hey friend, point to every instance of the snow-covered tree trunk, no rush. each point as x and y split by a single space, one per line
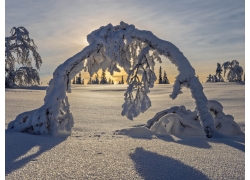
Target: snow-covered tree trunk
109 47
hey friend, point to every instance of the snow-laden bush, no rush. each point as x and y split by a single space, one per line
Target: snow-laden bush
179 121
111 47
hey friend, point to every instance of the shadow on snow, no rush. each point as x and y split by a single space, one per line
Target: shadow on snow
151 165
22 148
139 132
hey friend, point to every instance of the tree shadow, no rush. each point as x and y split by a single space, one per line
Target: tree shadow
21 148
151 165
237 142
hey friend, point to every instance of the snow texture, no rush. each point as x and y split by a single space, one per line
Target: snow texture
110 46
96 148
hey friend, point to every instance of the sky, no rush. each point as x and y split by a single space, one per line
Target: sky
207 32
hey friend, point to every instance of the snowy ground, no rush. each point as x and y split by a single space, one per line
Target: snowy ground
96 150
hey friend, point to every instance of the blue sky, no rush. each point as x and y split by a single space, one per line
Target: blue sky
207 32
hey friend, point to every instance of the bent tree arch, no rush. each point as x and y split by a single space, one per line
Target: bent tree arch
110 47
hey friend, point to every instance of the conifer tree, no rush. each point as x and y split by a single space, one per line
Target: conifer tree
122 81
90 81
160 76
103 78
165 78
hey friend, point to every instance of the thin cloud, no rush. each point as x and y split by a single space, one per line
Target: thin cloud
205 31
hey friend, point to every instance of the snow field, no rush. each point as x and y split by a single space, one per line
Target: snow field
97 150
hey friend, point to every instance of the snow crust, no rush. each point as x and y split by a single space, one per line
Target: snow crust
105 145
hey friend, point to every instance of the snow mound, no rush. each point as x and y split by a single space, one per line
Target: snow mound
179 121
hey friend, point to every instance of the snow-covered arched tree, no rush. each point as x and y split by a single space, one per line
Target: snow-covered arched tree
110 47
17 52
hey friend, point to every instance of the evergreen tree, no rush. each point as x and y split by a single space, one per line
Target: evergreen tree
165 78
96 81
160 76
103 78
90 81
78 79
122 81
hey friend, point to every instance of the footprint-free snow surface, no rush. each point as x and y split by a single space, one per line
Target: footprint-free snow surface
106 145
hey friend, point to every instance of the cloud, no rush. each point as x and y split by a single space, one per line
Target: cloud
205 31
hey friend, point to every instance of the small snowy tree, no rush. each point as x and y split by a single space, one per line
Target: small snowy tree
17 52
235 71
165 78
160 76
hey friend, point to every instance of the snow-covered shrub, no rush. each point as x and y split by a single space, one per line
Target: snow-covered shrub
110 47
224 124
179 121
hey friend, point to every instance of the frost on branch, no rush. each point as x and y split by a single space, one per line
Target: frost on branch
140 79
111 47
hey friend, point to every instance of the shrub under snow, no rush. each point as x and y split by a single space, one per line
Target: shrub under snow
179 121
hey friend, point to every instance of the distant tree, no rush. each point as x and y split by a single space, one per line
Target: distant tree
122 81
74 80
235 71
96 80
160 76
82 81
218 73
79 79
165 78
209 78
90 81
112 82
17 52
103 78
